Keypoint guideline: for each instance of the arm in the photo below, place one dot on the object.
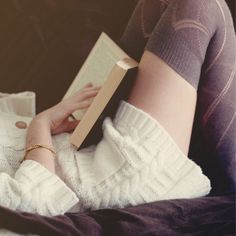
(34, 187)
(55, 121)
(39, 133)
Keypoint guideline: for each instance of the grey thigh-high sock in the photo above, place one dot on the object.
(196, 39)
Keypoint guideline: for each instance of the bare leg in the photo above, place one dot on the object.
(202, 50)
(166, 96)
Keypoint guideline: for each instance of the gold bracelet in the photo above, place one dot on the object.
(38, 146)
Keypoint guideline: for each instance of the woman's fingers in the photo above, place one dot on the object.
(71, 125)
(83, 104)
(88, 94)
(88, 85)
(84, 94)
(66, 126)
(82, 99)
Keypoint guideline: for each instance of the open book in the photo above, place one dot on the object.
(110, 67)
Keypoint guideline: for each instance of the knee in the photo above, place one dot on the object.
(201, 14)
(193, 7)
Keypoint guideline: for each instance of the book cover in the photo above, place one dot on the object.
(111, 68)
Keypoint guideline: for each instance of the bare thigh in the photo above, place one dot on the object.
(166, 96)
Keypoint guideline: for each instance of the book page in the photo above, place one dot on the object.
(97, 67)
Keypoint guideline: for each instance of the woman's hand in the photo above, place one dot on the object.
(57, 116)
(54, 121)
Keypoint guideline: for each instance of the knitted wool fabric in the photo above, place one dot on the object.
(135, 162)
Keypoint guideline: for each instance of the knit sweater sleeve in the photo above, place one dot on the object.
(35, 189)
(137, 162)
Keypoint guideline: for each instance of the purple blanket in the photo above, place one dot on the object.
(201, 216)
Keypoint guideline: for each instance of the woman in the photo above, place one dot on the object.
(142, 156)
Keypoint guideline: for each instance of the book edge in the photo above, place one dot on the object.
(78, 130)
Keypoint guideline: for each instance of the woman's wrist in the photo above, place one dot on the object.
(39, 133)
(40, 120)
(38, 129)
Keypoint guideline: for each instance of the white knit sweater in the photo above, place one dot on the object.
(135, 162)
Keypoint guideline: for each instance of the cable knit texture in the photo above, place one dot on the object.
(135, 162)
